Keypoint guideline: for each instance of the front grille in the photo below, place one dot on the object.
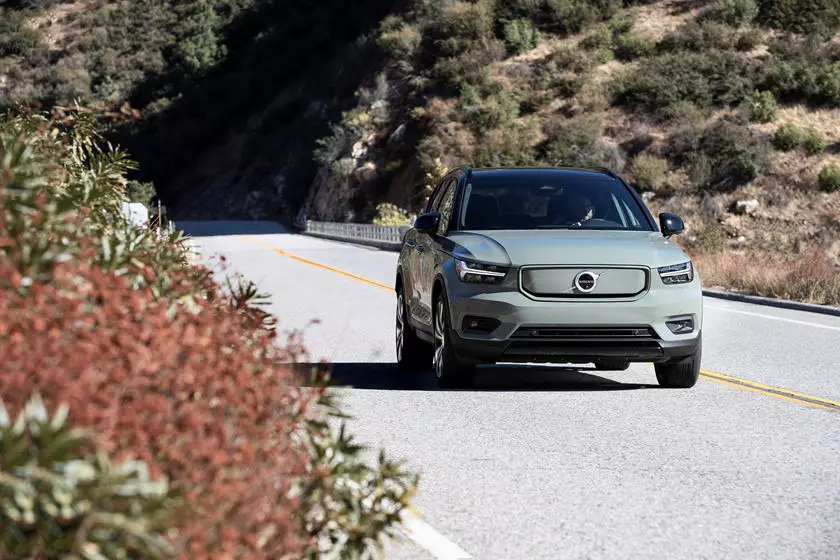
(632, 342)
(586, 333)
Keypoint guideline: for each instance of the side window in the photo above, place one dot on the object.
(434, 200)
(446, 202)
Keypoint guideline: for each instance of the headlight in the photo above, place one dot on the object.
(677, 273)
(480, 273)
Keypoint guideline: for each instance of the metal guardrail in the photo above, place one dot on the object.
(389, 237)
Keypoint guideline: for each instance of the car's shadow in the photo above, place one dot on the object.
(388, 377)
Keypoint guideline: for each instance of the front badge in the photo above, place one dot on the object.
(586, 281)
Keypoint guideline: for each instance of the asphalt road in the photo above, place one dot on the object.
(555, 463)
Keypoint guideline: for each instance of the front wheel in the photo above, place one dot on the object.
(449, 370)
(412, 353)
(682, 373)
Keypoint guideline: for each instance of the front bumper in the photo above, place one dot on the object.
(575, 331)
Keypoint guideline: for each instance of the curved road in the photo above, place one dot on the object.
(555, 463)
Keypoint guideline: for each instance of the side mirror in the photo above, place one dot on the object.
(427, 223)
(670, 224)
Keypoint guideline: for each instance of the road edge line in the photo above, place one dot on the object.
(429, 539)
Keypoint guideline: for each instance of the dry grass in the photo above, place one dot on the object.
(822, 120)
(809, 277)
(658, 19)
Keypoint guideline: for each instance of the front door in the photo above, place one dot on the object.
(428, 246)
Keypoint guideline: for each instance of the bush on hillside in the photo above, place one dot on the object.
(521, 35)
(698, 37)
(735, 12)
(398, 39)
(737, 155)
(788, 137)
(829, 178)
(814, 143)
(760, 107)
(601, 38)
(801, 71)
(630, 46)
(713, 78)
(821, 17)
(577, 142)
(749, 40)
(648, 171)
(508, 146)
(388, 214)
(561, 16)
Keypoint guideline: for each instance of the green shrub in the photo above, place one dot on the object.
(200, 45)
(698, 37)
(749, 40)
(577, 142)
(801, 71)
(507, 146)
(813, 143)
(829, 178)
(648, 171)
(58, 497)
(760, 107)
(388, 214)
(142, 192)
(561, 84)
(399, 40)
(736, 12)
(683, 113)
(496, 110)
(571, 16)
(629, 46)
(737, 155)
(821, 17)
(788, 137)
(343, 168)
(706, 79)
(521, 35)
(471, 66)
(601, 38)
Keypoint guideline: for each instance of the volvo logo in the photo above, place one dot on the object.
(585, 281)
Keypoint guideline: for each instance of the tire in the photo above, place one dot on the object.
(611, 364)
(682, 373)
(449, 370)
(412, 352)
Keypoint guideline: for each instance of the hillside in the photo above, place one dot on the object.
(726, 112)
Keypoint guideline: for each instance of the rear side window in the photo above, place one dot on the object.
(445, 208)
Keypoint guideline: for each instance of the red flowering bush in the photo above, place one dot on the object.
(160, 364)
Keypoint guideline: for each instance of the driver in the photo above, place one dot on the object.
(573, 208)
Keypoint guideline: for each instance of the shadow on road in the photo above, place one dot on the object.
(388, 377)
(229, 227)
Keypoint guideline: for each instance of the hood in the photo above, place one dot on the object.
(583, 247)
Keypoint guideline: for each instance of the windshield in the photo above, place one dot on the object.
(567, 202)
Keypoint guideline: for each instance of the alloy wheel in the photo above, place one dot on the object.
(400, 327)
(440, 339)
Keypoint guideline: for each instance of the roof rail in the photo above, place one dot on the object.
(610, 172)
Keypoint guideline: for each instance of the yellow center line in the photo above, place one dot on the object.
(319, 265)
(778, 392)
(763, 392)
(769, 390)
